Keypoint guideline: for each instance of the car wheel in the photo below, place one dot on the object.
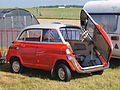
(62, 73)
(16, 66)
(98, 72)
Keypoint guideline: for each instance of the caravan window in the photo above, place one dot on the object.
(108, 22)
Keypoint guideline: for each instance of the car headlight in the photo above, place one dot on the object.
(68, 51)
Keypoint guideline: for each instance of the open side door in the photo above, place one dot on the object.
(99, 37)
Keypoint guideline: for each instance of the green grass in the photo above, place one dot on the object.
(33, 79)
(55, 13)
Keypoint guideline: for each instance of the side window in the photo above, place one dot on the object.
(107, 22)
(70, 33)
(31, 35)
(22, 36)
(50, 36)
(45, 35)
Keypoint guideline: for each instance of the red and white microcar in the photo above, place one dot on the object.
(62, 49)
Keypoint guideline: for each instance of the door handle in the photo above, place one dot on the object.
(40, 53)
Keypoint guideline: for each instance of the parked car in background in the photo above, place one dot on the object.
(107, 14)
(62, 49)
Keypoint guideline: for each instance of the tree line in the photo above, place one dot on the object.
(58, 6)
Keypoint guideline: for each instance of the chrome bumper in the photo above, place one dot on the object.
(88, 69)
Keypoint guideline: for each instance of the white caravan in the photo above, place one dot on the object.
(107, 14)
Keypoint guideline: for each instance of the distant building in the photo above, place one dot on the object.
(61, 7)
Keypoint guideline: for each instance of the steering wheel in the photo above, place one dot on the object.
(83, 36)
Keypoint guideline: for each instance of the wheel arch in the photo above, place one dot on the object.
(62, 61)
(14, 57)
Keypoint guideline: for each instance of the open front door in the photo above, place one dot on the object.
(99, 37)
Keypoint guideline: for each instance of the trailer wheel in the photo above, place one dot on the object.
(98, 72)
(62, 73)
(16, 66)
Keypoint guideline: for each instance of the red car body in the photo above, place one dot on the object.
(60, 50)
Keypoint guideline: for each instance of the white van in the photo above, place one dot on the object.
(107, 14)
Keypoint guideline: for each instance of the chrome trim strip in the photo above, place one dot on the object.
(92, 67)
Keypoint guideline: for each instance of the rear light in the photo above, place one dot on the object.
(116, 46)
(115, 38)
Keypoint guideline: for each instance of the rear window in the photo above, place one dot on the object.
(107, 22)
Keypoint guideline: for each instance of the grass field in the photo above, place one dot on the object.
(41, 80)
(56, 13)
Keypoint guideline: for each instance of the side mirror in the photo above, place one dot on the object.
(13, 41)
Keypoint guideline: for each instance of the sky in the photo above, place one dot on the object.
(36, 3)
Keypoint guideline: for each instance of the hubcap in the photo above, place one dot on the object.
(16, 66)
(61, 73)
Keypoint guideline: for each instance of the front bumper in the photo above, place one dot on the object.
(88, 69)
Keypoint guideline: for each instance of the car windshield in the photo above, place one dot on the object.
(70, 33)
(107, 22)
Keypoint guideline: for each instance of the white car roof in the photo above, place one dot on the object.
(50, 26)
(109, 6)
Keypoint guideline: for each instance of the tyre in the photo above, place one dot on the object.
(62, 72)
(98, 72)
(16, 66)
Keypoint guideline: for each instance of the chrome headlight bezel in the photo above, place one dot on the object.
(69, 58)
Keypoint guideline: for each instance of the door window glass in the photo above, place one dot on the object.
(22, 36)
(41, 35)
(51, 36)
(31, 35)
(101, 44)
(34, 35)
(107, 22)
